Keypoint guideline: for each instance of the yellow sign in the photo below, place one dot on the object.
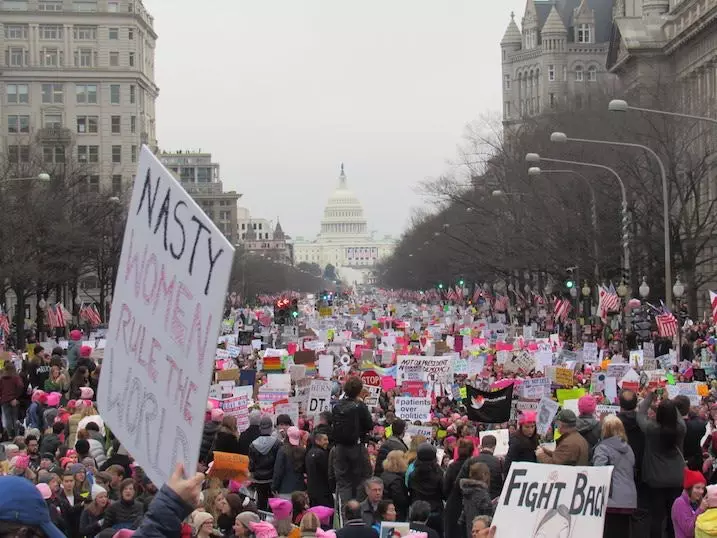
(564, 377)
(325, 311)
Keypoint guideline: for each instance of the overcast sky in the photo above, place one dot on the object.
(282, 91)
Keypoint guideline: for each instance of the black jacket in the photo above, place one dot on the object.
(521, 448)
(450, 476)
(392, 443)
(210, 430)
(246, 438)
(476, 502)
(49, 444)
(635, 438)
(696, 428)
(39, 374)
(226, 441)
(71, 513)
(164, 517)
(422, 527)
(352, 421)
(262, 457)
(90, 524)
(317, 477)
(394, 488)
(356, 529)
(123, 515)
(496, 473)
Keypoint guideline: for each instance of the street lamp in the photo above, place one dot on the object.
(644, 288)
(619, 105)
(678, 289)
(42, 176)
(42, 304)
(562, 138)
(586, 289)
(622, 290)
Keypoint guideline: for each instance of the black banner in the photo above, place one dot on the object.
(491, 407)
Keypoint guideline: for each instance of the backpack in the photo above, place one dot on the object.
(346, 422)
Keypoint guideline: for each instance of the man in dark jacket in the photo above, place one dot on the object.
(418, 516)
(487, 447)
(696, 428)
(317, 472)
(39, 368)
(248, 436)
(262, 457)
(51, 441)
(395, 442)
(354, 526)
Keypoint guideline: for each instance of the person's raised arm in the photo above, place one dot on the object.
(642, 409)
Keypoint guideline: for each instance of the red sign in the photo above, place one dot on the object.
(371, 378)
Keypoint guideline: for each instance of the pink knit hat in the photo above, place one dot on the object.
(85, 352)
(711, 495)
(528, 417)
(324, 513)
(44, 490)
(217, 415)
(124, 533)
(587, 405)
(263, 529)
(53, 399)
(75, 335)
(280, 507)
(86, 393)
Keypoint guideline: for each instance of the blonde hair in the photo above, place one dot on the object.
(310, 522)
(613, 427)
(88, 411)
(395, 462)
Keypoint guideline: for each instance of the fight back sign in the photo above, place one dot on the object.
(540, 500)
(166, 315)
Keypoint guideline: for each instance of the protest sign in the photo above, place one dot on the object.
(553, 500)
(547, 409)
(491, 407)
(319, 399)
(411, 409)
(166, 315)
(291, 409)
(412, 430)
(602, 410)
(502, 438)
(433, 369)
(536, 388)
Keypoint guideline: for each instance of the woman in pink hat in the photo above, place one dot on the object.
(524, 442)
(290, 467)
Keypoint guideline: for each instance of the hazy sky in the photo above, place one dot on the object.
(282, 91)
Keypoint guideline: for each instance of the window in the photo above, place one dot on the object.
(551, 73)
(16, 31)
(51, 57)
(226, 215)
(114, 59)
(553, 101)
(132, 94)
(85, 33)
(16, 57)
(87, 124)
(584, 33)
(84, 58)
(116, 124)
(84, 6)
(116, 154)
(86, 94)
(89, 184)
(88, 154)
(114, 33)
(115, 94)
(53, 121)
(134, 154)
(18, 154)
(17, 93)
(51, 31)
(49, 5)
(579, 75)
(506, 82)
(131, 59)
(18, 124)
(52, 93)
(592, 73)
(15, 5)
(53, 154)
(117, 184)
(130, 34)
(113, 7)
(133, 124)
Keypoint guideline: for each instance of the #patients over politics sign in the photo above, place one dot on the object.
(553, 501)
(166, 314)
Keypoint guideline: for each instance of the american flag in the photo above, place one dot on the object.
(91, 315)
(666, 324)
(4, 324)
(501, 303)
(713, 301)
(609, 301)
(561, 309)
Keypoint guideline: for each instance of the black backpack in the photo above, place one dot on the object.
(346, 422)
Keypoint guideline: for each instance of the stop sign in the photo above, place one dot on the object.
(371, 378)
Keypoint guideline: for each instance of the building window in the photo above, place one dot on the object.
(584, 33)
(114, 59)
(17, 57)
(86, 94)
(18, 124)
(49, 5)
(18, 154)
(130, 34)
(553, 101)
(85, 6)
(115, 94)
(85, 58)
(592, 74)
(117, 184)
(132, 94)
(89, 184)
(88, 154)
(113, 7)
(53, 121)
(51, 31)
(17, 94)
(506, 82)
(131, 59)
(133, 124)
(53, 154)
(16, 31)
(579, 75)
(85, 33)
(134, 154)
(87, 124)
(51, 57)
(116, 154)
(114, 33)
(551, 73)
(506, 108)
(116, 123)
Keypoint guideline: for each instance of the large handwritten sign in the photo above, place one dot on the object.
(166, 316)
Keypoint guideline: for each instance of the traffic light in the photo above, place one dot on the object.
(295, 308)
(461, 282)
(569, 279)
(440, 286)
(281, 311)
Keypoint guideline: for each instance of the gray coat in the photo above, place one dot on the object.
(661, 468)
(616, 452)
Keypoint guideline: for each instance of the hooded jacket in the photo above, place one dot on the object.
(589, 427)
(614, 451)
(262, 457)
(684, 516)
(476, 502)
(247, 437)
(706, 525)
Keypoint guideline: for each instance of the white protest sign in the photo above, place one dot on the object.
(547, 409)
(319, 396)
(291, 409)
(535, 388)
(502, 438)
(412, 409)
(166, 315)
(413, 430)
(553, 500)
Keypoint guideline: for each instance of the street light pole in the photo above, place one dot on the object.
(562, 137)
(618, 105)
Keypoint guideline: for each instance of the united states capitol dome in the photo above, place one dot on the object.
(343, 214)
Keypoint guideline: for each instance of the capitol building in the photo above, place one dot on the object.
(344, 240)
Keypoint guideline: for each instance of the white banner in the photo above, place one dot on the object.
(166, 315)
(540, 500)
(412, 409)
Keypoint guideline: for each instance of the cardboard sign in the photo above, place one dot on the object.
(502, 438)
(319, 397)
(553, 500)
(166, 315)
(412, 409)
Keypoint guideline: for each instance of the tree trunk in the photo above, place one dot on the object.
(20, 317)
(39, 314)
(102, 308)
(691, 290)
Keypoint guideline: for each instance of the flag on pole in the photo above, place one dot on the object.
(608, 301)
(561, 309)
(666, 325)
(4, 324)
(713, 301)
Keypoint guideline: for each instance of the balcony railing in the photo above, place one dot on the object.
(58, 135)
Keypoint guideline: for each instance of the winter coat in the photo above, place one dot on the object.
(164, 517)
(571, 449)
(520, 448)
(695, 428)
(72, 428)
(394, 488)
(39, 372)
(73, 353)
(82, 425)
(706, 525)
(210, 431)
(71, 513)
(49, 444)
(635, 438)
(97, 452)
(589, 427)
(286, 478)
(262, 457)
(246, 438)
(616, 452)
(90, 524)
(496, 473)
(450, 478)
(684, 516)
(661, 468)
(392, 443)
(36, 416)
(123, 515)
(10, 388)
(476, 502)
(427, 485)
(317, 475)
(226, 441)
